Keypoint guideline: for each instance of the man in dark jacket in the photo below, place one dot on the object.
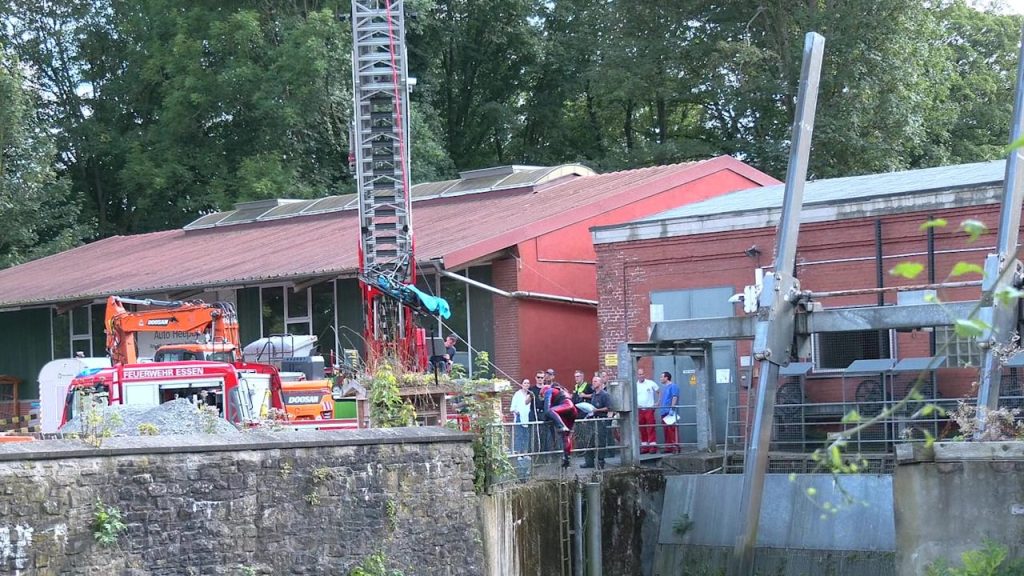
(599, 427)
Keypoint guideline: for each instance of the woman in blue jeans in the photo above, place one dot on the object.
(521, 407)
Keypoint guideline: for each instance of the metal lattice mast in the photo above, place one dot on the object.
(1002, 268)
(381, 149)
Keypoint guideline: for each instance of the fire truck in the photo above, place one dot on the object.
(241, 392)
(235, 391)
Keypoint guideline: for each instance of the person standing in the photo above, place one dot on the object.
(667, 414)
(521, 409)
(543, 441)
(582, 391)
(646, 401)
(538, 402)
(602, 403)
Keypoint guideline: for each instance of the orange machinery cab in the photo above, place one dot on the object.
(308, 399)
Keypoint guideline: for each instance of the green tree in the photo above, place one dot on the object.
(36, 207)
(973, 106)
(227, 103)
(472, 59)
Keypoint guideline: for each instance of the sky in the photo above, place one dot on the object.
(1016, 6)
(1010, 6)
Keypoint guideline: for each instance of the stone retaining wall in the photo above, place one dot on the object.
(300, 503)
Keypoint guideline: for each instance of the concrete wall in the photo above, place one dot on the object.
(951, 500)
(305, 503)
(657, 525)
(798, 533)
(521, 524)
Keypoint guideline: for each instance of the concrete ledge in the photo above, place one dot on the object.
(961, 451)
(913, 453)
(185, 444)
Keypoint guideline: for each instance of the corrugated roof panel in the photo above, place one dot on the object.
(526, 177)
(208, 220)
(330, 203)
(288, 209)
(432, 188)
(246, 215)
(465, 226)
(834, 190)
(475, 184)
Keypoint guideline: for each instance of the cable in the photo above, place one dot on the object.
(539, 273)
(472, 350)
(400, 120)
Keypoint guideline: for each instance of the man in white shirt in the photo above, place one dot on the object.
(646, 401)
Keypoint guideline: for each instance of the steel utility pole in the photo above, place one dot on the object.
(774, 331)
(1002, 268)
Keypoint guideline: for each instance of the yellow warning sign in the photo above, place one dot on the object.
(611, 359)
(693, 379)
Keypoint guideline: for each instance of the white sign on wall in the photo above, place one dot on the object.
(148, 342)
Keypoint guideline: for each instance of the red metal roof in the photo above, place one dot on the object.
(458, 230)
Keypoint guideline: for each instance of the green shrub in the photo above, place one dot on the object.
(106, 523)
(991, 560)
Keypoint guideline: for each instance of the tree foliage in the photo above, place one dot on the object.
(38, 214)
(148, 113)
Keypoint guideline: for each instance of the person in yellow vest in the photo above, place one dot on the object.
(582, 390)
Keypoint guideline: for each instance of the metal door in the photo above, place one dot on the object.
(684, 305)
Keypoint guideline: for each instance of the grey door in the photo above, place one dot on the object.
(699, 303)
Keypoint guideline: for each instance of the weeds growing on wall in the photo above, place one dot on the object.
(482, 365)
(387, 407)
(375, 564)
(97, 424)
(490, 459)
(992, 560)
(1000, 424)
(107, 524)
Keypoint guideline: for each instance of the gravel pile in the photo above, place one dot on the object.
(175, 417)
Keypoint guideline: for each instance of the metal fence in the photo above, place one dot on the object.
(537, 449)
(802, 428)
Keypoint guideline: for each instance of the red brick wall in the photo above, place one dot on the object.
(831, 256)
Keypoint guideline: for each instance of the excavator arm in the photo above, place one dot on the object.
(218, 321)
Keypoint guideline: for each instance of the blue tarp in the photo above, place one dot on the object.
(413, 296)
(434, 304)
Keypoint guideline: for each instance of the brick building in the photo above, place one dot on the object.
(686, 263)
(509, 247)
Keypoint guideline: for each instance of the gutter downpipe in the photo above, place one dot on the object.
(518, 294)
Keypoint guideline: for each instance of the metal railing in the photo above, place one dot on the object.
(800, 429)
(537, 449)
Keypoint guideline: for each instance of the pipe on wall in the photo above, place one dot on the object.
(519, 294)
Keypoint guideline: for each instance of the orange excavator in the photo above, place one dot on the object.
(204, 332)
(209, 331)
